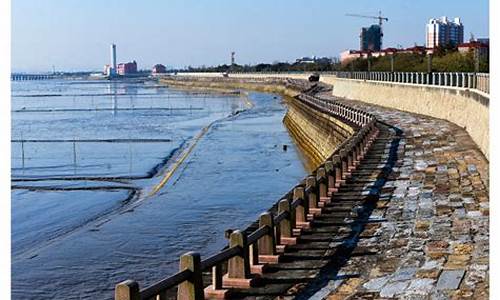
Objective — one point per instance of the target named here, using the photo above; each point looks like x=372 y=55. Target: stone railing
x=247 y=253
x=478 y=81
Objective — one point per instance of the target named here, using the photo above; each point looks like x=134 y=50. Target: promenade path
x=432 y=242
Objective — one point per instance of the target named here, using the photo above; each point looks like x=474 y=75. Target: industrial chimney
x=113 y=59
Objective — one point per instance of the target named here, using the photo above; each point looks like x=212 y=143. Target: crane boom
x=380 y=18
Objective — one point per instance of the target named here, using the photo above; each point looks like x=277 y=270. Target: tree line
x=444 y=59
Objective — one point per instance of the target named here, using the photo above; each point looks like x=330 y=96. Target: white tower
x=113 y=59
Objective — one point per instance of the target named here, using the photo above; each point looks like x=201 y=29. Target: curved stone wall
x=315 y=133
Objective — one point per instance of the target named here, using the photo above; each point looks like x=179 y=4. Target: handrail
x=280 y=217
x=257 y=234
x=220 y=257
x=165 y=284
x=467 y=80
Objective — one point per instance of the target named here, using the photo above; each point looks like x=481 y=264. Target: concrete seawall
x=463 y=107
x=316 y=133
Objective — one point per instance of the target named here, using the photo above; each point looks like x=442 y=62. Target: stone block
x=450 y=279
x=393 y=289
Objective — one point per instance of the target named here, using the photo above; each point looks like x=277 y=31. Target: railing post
x=267 y=243
x=323 y=189
x=217 y=279
x=312 y=195
x=301 y=209
x=338 y=170
x=285 y=226
x=127 y=290
x=238 y=269
x=343 y=159
x=191 y=289
x=330 y=173
x=350 y=156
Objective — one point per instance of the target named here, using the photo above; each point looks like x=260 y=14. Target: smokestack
x=113 y=57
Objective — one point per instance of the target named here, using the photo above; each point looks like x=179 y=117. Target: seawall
x=466 y=108
x=316 y=134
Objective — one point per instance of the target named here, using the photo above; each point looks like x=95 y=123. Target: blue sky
x=75 y=34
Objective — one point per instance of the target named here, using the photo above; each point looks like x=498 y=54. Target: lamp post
x=429 y=63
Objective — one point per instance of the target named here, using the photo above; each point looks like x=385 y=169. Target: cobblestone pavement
x=433 y=240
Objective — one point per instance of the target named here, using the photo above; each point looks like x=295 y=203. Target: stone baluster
x=267 y=244
x=127 y=290
x=191 y=289
x=301 y=210
x=343 y=159
x=312 y=195
x=337 y=162
x=322 y=180
x=285 y=226
x=238 y=270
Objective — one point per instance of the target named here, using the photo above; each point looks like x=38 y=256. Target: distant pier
x=22 y=77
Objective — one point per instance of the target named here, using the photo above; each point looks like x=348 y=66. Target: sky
x=74 y=35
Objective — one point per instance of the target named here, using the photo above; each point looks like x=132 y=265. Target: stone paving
x=433 y=242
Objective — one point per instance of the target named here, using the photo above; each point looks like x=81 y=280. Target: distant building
x=485 y=41
x=159 y=69
x=313 y=59
x=107 y=70
x=481 y=48
x=350 y=55
x=443 y=32
x=127 y=68
x=370 y=38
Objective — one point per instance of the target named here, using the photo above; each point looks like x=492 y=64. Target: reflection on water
x=78 y=226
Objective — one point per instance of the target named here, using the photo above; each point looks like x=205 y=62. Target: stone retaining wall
x=316 y=133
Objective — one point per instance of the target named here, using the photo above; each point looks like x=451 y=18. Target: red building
x=127 y=68
x=159 y=69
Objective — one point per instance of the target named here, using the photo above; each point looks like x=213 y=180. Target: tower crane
x=380 y=18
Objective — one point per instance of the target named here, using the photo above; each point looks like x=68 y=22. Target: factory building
x=159 y=69
x=127 y=68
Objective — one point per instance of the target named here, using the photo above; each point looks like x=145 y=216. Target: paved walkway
x=433 y=240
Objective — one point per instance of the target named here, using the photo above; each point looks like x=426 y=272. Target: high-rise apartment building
x=443 y=32
x=371 y=38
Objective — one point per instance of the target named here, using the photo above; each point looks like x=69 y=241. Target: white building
x=442 y=32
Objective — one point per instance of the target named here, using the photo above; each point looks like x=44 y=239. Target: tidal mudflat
x=88 y=158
